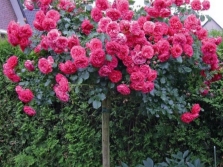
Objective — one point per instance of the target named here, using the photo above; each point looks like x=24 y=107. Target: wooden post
x=106 y=107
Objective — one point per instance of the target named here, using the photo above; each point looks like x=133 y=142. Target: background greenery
x=64 y=135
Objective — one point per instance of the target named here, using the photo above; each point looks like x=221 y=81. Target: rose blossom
x=196 y=4
x=63 y=96
x=97 y=58
x=73 y=41
x=115 y=76
x=45 y=65
x=94 y=44
x=102 y=4
x=104 y=71
x=86 y=27
x=195 y=109
x=113 y=29
x=67 y=5
x=122 y=5
x=25 y=95
x=48 y=24
x=123 y=89
x=113 y=63
x=114 y=14
x=148 y=27
x=29 y=111
x=102 y=25
x=81 y=61
x=176 y=51
x=205 y=4
x=77 y=51
x=188 y=50
x=188 y=117
x=147 y=87
x=68 y=67
x=12 y=61
x=96 y=14
x=29 y=65
x=147 y=51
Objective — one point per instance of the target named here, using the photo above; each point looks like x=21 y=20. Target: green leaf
x=96 y=104
x=102 y=96
x=163 y=80
x=187 y=69
x=179 y=59
x=148 y=162
x=124 y=164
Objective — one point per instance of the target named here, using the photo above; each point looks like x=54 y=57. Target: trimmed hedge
x=70 y=134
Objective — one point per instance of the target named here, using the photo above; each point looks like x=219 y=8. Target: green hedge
x=63 y=135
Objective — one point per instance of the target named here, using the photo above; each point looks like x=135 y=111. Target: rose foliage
x=146 y=54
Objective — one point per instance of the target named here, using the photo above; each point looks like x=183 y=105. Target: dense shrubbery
x=70 y=135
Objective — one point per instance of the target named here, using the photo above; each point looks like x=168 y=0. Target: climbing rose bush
x=115 y=50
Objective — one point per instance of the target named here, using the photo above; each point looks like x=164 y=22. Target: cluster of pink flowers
x=9 y=69
x=131 y=47
x=198 y=5
x=67 y=5
x=188 y=117
x=44 y=5
x=45 y=65
x=46 y=21
x=62 y=88
x=26 y=96
x=19 y=35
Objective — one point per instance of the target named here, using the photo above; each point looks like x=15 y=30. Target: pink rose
x=81 y=62
x=113 y=13
x=77 y=51
x=48 y=24
x=115 y=76
x=25 y=95
x=53 y=14
x=94 y=44
x=188 y=117
x=86 y=27
x=148 y=27
x=45 y=65
x=29 y=65
x=12 y=62
x=147 y=87
x=152 y=75
x=29 y=111
x=123 y=5
x=147 y=52
x=206 y=5
x=62 y=42
x=102 y=4
x=73 y=41
x=104 y=71
x=29 y=4
x=137 y=77
x=102 y=24
x=196 y=4
x=123 y=89
x=113 y=29
x=96 y=14
x=195 y=109
x=25 y=31
x=68 y=67
x=97 y=58
x=176 y=51
x=138 y=58
x=63 y=96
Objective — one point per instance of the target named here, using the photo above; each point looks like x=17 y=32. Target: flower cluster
x=26 y=96
x=9 y=69
x=122 y=49
x=19 y=35
x=62 y=88
x=188 y=117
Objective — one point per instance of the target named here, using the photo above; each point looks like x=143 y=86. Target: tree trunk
x=106 y=107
